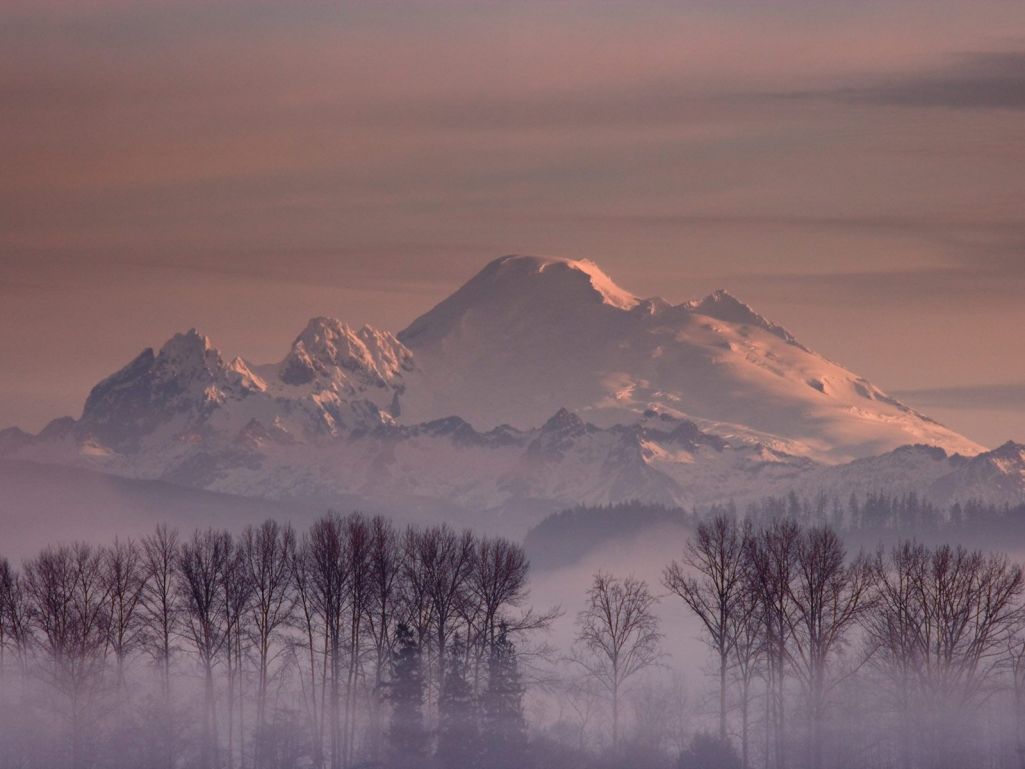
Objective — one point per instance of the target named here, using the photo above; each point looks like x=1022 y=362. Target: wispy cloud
x=968 y=398
x=959 y=287
x=968 y=81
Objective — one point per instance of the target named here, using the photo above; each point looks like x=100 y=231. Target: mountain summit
x=526 y=291
x=529 y=335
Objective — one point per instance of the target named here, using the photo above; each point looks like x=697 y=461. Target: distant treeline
x=567 y=536
x=876 y=517
x=879 y=516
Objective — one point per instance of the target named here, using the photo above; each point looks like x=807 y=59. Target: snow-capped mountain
x=527 y=336
x=991 y=477
x=539 y=384
x=332 y=379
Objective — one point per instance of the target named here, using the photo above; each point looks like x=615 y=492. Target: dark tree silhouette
x=407 y=736
x=458 y=727
x=503 y=724
x=618 y=636
x=712 y=581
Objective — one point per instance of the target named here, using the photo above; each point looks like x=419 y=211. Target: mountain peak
x=519 y=291
x=191 y=355
x=722 y=305
x=563 y=420
x=722 y=297
x=186 y=344
x=327 y=344
x=1009 y=450
x=600 y=282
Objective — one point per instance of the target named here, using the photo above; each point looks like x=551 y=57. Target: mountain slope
x=538 y=385
x=529 y=335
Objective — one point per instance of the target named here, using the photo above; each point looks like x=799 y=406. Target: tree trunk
x=615 y=719
x=209 y=722
x=781 y=730
x=744 y=726
x=722 y=695
x=336 y=746
x=241 y=703
x=769 y=694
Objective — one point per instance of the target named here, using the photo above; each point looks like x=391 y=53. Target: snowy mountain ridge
x=540 y=383
x=528 y=335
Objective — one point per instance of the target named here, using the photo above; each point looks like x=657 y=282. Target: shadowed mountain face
x=538 y=384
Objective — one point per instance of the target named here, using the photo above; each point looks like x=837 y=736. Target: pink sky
x=853 y=170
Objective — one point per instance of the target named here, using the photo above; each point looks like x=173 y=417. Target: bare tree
x=159 y=601
x=772 y=555
x=894 y=629
x=202 y=562
x=237 y=591
x=972 y=605
x=384 y=608
x=712 y=581
x=498 y=580
x=437 y=578
x=267 y=554
x=125 y=580
x=159 y=609
x=618 y=634
x=385 y=593
x=15 y=630
x=314 y=643
x=448 y=559
x=328 y=573
x=942 y=624
x=829 y=596
x=1016 y=667
x=358 y=545
x=69 y=600
x=417 y=609
x=748 y=629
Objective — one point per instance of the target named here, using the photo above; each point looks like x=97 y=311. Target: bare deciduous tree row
x=268 y=627
x=933 y=633
x=357 y=643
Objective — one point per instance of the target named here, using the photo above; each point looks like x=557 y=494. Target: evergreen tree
x=406 y=735
x=458 y=730
x=504 y=725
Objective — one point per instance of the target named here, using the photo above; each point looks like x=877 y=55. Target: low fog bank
x=43 y=504
x=789 y=635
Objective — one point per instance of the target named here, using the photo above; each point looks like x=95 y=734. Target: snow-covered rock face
x=331 y=351
x=722 y=305
x=332 y=379
x=350 y=378
x=185 y=382
x=528 y=294
x=527 y=336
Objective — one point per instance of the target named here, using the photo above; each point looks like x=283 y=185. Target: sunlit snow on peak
x=611 y=293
